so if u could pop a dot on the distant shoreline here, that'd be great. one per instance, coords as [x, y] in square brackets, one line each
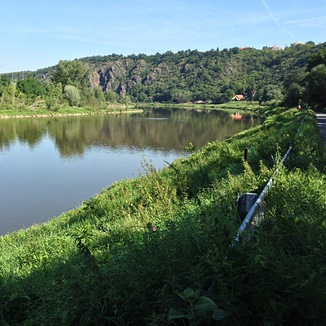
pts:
[137, 108]
[53, 115]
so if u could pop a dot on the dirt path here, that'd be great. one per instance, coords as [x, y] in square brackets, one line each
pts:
[321, 119]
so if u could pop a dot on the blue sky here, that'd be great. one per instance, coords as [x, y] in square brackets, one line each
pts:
[38, 33]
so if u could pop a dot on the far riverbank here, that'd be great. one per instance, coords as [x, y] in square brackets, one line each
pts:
[74, 111]
[41, 111]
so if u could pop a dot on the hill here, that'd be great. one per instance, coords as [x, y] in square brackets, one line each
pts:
[270, 75]
[193, 75]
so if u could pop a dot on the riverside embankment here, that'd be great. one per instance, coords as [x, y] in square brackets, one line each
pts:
[151, 251]
[17, 115]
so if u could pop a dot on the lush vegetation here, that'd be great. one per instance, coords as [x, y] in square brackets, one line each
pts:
[157, 250]
[290, 76]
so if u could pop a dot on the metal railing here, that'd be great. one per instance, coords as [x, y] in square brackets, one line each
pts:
[247, 221]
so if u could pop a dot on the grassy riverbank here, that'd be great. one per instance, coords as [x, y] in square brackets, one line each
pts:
[239, 106]
[40, 110]
[156, 250]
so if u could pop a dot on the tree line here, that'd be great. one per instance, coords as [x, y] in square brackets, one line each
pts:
[296, 74]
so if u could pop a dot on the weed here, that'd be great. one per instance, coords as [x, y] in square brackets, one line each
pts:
[156, 250]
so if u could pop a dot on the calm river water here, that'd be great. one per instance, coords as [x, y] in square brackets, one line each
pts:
[50, 165]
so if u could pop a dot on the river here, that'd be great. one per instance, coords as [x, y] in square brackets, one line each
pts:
[51, 165]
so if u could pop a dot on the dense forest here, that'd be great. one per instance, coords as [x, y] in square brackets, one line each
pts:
[269, 75]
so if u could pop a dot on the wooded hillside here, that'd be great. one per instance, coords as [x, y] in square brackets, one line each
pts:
[268, 75]
[215, 75]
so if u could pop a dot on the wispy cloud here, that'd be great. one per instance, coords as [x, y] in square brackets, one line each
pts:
[315, 22]
[275, 19]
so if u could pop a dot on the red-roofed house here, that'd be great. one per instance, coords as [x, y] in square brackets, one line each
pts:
[238, 97]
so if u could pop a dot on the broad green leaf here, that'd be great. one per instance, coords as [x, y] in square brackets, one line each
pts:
[175, 313]
[205, 304]
[186, 294]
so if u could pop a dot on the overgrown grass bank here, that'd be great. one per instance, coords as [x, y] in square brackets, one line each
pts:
[239, 106]
[156, 250]
[38, 109]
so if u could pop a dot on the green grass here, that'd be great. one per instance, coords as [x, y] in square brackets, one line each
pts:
[100, 264]
[239, 106]
[40, 110]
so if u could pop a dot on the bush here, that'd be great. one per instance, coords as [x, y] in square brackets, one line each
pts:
[71, 94]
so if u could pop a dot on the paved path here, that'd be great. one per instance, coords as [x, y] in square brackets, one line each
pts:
[321, 119]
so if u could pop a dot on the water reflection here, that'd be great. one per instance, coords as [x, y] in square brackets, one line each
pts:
[50, 165]
[158, 129]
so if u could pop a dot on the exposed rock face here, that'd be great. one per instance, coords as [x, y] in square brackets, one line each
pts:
[198, 76]
[110, 74]
[95, 79]
[121, 76]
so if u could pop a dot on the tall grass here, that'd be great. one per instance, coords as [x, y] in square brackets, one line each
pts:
[156, 250]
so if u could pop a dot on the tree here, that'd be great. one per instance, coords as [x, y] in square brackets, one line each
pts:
[293, 94]
[111, 96]
[191, 75]
[93, 97]
[54, 96]
[271, 93]
[31, 87]
[71, 94]
[316, 86]
[4, 82]
[317, 59]
[10, 93]
[72, 73]
[141, 97]
[181, 96]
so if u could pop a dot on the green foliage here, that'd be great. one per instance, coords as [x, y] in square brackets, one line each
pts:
[31, 87]
[317, 59]
[72, 73]
[156, 250]
[294, 94]
[193, 75]
[283, 263]
[316, 85]
[10, 93]
[110, 96]
[198, 308]
[71, 94]
[4, 82]
[270, 94]
[93, 97]
[54, 96]
[272, 77]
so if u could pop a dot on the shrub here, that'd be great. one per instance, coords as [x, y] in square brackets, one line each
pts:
[71, 94]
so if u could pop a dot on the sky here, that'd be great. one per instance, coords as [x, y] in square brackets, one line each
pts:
[36, 34]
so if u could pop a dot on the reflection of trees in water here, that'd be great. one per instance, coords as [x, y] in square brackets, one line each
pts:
[28, 131]
[157, 129]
